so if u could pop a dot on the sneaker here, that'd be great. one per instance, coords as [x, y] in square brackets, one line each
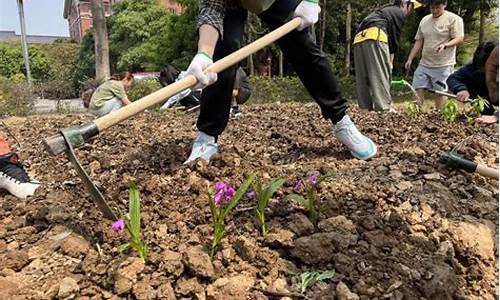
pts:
[204, 147]
[14, 178]
[361, 146]
[235, 111]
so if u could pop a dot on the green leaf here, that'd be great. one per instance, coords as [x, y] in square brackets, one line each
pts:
[237, 197]
[321, 276]
[134, 211]
[273, 187]
[297, 198]
[123, 247]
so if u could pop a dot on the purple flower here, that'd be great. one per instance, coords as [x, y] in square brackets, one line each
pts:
[218, 198]
[229, 193]
[118, 225]
[219, 186]
[313, 179]
[298, 185]
[251, 195]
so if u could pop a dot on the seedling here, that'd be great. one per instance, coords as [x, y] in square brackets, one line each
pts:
[222, 201]
[132, 221]
[309, 201]
[450, 111]
[263, 195]
[413, 108]
[306, 279]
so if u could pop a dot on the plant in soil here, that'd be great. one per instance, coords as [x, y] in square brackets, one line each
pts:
[263, 194]
[222, 200]
[413, 108]
[309, 187]
[477, 107]
[132, 221]
[306, 279]
[450, 111]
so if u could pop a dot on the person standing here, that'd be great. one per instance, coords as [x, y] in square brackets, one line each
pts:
[438, 36]
[221, 27]
[375, 42]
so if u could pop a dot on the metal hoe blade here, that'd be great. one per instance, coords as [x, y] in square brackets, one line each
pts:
[95, 194]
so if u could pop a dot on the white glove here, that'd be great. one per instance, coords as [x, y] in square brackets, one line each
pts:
[201, 61]
[308, 11]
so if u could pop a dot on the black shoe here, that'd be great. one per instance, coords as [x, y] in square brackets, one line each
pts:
[14, 178]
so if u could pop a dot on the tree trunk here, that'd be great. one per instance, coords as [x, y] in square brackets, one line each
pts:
[323, 26]
[348, 21]
[101, 41]
[482, 23]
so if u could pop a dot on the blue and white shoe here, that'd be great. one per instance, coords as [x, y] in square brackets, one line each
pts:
[360, 146]
[204, 147]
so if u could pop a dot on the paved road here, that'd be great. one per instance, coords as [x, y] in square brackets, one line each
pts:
[64, 105]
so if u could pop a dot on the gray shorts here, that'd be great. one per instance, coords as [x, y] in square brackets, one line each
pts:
[109, 106]
[431, 78]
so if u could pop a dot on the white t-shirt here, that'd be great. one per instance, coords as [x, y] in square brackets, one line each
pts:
[437, 31]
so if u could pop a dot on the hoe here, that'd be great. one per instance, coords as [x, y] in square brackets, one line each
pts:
[73, 137]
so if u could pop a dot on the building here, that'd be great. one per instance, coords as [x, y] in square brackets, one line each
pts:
[79, 16]
[10, 36]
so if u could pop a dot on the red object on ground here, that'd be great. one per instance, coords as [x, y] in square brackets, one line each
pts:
[4, 146]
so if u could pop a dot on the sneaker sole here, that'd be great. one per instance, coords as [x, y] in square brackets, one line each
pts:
[371, 152]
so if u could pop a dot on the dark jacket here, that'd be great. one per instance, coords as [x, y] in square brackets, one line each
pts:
[468, 78]
[390, 19]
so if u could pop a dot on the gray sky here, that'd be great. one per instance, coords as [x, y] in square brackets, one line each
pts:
[43, 17]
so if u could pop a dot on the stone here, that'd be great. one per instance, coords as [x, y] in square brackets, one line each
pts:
[280, 238]
[8, 287]
[432, 176]
[198, 262]
[144, 291]
[187, 287]
[321, 247]
[67, 287]
[343, 292]
[440, 281]
[300, 225]
[126, 273]
[245, 248]
[337, 224]
[166, 292]
[235, 287]
[75, 246]
[475, 237]
[15, 260]
[172, 262]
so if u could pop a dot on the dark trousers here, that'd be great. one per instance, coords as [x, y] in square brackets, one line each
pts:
[310, 63]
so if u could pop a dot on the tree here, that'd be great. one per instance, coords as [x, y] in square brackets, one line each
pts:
[101, 40]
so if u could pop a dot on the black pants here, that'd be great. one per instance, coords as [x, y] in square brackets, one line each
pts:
[310, 63]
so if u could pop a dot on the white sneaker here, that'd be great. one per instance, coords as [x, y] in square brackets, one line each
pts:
[14, 178]
[204, 147]
[361, 146]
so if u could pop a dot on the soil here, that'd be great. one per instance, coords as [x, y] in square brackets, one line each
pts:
[400, 226]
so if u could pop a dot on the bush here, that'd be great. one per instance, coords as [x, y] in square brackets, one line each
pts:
[278, 89]
[290, 89]
[143, 88]
[52, 67]
[14, 98]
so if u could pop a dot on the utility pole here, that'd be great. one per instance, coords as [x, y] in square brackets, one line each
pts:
[24, 43]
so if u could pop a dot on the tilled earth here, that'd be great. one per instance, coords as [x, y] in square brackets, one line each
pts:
[400, 226]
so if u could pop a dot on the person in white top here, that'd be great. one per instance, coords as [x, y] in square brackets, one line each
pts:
[438, 36]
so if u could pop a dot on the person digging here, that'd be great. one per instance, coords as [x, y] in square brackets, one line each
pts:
[220, 29]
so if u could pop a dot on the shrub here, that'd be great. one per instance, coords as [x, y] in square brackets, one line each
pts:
[14, 97]
[143, 88]
[278, 89]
